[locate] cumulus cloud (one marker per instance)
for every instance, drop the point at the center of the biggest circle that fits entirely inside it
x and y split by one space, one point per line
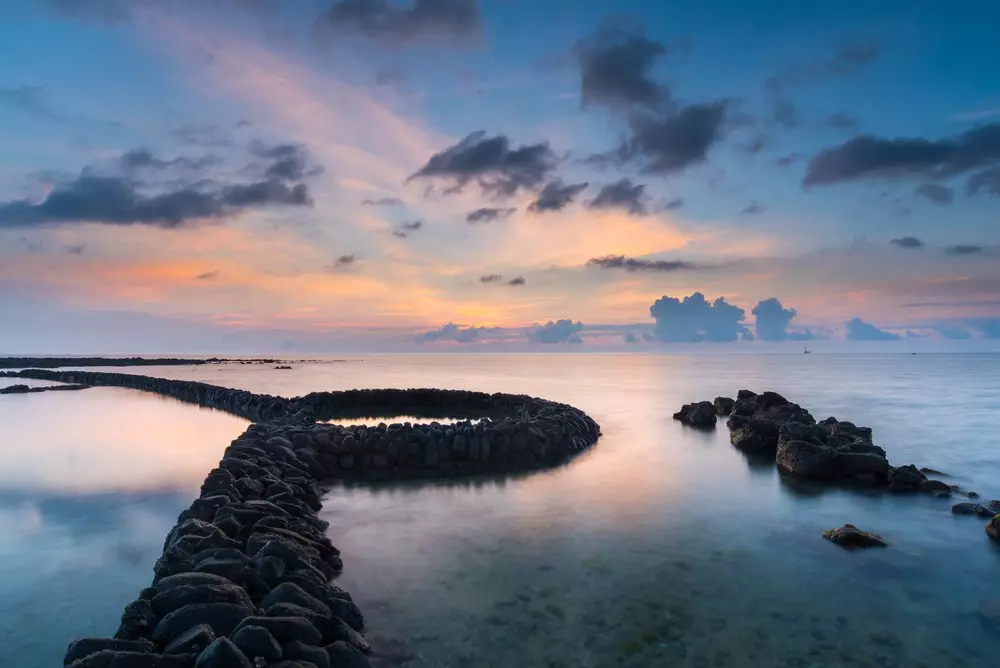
345 260
696 319
492 163
556 195
636 264
964 249
936 193
908 242
288 162
988 180
406 229
490 278
752 209
771 320
622 194
859 330
672 142
488 215
867 156
615 69
142 158
383 201
453 332
953 332
559 331
395 23
516 281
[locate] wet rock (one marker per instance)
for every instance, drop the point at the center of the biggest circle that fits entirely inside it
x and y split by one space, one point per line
138 620
178 597
257 642
288 592
971 509
194 640
222 617
930 471
993 528
905 479
724 405
701 414
299 651
191 579
935 486
758 437
343 655
84 647
222 653
285 629
851 537
124 659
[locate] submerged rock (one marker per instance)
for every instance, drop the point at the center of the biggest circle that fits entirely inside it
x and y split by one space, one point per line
850 537
993 528
701 414
971 509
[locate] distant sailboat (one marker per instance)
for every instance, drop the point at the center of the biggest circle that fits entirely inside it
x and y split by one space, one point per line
806 350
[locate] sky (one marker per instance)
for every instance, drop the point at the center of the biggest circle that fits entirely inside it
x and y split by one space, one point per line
475 175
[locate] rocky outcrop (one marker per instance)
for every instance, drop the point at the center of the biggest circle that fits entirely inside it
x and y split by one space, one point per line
724 405
972 509
701 415
245 574
850 537
993 528
24 389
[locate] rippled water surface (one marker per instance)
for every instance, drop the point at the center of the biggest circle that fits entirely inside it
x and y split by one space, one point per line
659 546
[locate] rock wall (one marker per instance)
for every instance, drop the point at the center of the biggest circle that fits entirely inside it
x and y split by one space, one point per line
244 579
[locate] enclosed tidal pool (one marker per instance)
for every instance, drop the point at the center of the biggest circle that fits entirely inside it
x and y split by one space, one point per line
659 546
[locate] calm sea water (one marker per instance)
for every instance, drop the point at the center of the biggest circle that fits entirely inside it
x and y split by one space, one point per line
659 546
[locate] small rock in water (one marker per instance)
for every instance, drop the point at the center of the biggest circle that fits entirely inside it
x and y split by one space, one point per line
930 471
971 509
972 495
993 528
724 405
935 486
851 537
701 414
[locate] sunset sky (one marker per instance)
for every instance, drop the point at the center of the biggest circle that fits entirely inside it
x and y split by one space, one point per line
350 175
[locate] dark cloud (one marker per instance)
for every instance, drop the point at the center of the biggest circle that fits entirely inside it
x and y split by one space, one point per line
560 331
988 180
859 330
964 249
615 69
673 204
753 209
635 264
203 134
383 201
289 162
345 260
867 156
936 193
953 332
142 158
623 194
492 163
841 121
670 143
408 229
488 215
490 278
908 242
516 281
844 60
76 249
786 160
399 233
756 145
785 114
208 275
556 195
453 332
696 319
411 21
771 321
117 201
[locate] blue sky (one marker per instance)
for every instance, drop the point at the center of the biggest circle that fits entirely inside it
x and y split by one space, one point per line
249 174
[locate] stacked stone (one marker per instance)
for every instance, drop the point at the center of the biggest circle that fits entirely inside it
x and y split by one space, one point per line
244 579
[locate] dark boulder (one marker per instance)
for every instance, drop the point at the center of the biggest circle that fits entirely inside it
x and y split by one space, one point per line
288 592
222 617
993 528
971 509
756 437
850 537
194 640
299 651
343 655
257 642
138 620
724 405
285 629
905 479
191 579
222 653
805 459
701 414
935 486
177 597
84 647
125 659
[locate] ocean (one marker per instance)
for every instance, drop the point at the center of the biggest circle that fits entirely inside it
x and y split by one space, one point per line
659 546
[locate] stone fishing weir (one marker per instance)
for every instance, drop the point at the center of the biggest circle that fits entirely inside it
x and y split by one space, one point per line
245 578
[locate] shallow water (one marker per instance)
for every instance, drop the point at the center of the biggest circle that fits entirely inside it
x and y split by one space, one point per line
659 546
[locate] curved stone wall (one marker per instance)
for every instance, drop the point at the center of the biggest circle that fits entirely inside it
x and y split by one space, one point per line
244 579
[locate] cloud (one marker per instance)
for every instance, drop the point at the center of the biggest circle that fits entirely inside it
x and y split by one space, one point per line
408 228
673 205
76 249
630 337
556 196
101 11
935 193
492 163
516 281
841 121
560 331
142 158
623 194
203 134
953 332
908 242
410 21
804 335
488 215
207 276
490 278
290 162
34 101
786 160
635 264
383 201
867 156
771 320
859 330
453 332
988 179
964 249
785 114
696 319
756 145
844 60
753 209
670 143
615 69
990 329
345 260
